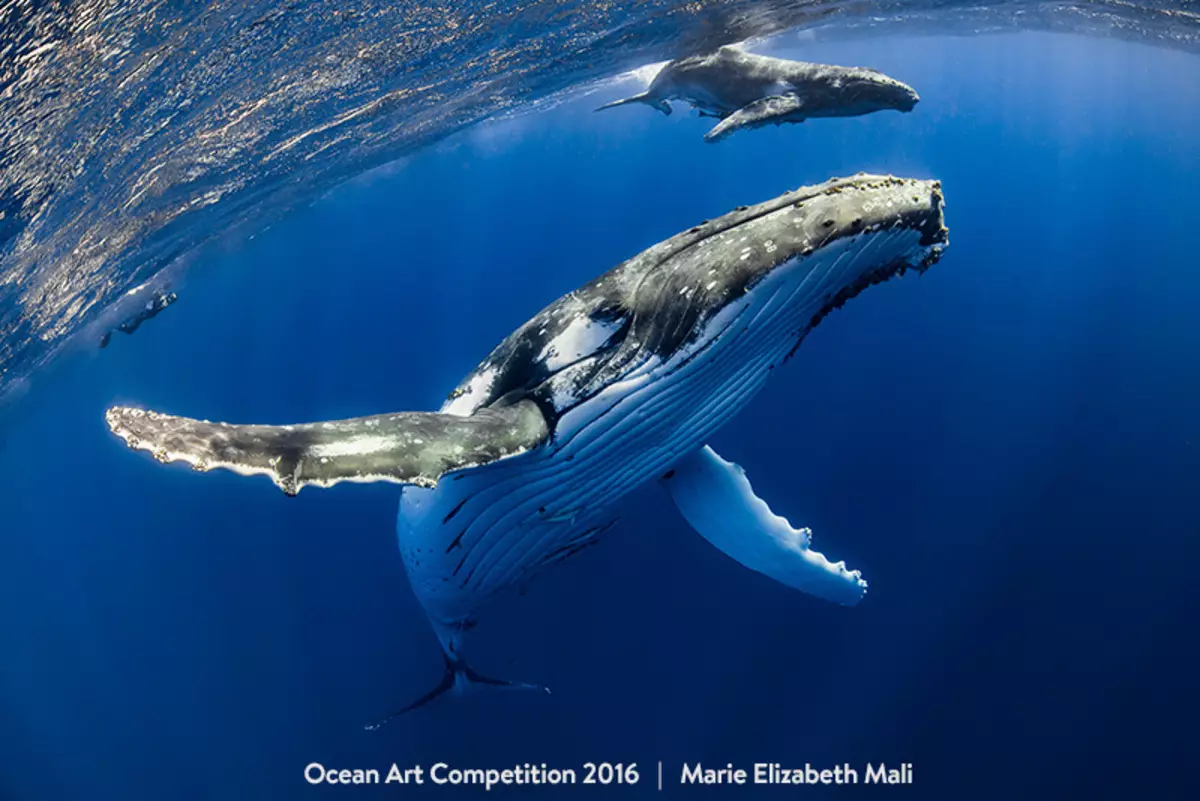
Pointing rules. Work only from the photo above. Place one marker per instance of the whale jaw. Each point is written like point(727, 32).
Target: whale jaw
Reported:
point(935, 237)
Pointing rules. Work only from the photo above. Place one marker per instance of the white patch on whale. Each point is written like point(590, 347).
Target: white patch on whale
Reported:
point(477, 389)
point(716, 498)
point(581, 337)
point(352, 447)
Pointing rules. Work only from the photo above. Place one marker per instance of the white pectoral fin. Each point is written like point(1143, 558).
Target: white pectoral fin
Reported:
point(767, 110)
point(717, 499)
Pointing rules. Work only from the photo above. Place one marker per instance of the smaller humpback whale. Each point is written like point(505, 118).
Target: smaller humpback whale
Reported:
point(151, 309)
point(745, 90)
point(617, 384)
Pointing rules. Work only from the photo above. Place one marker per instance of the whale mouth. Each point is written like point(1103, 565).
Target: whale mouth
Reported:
point(935, 237)
point(877, 275)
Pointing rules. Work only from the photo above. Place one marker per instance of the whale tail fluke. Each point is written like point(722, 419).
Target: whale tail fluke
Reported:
point(459, 678)
point(645, 98)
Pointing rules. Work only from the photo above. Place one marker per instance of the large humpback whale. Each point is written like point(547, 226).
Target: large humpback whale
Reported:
point(613, 385)
point(745, 90)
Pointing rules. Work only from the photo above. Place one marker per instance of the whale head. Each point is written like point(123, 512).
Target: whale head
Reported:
point(823, 244)
point(854, 91)
point(875, 91)
point(876, 228)
point(783, 265)
point(763, 275)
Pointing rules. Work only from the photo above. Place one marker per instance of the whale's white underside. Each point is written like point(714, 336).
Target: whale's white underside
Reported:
point(482, 530)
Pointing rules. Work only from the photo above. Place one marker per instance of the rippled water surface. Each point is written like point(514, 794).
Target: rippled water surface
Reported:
point(131, 133)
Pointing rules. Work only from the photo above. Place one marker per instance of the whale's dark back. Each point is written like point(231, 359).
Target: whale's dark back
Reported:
point(657, 302)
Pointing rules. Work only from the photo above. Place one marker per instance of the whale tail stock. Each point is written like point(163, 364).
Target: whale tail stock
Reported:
point(459, 678)
point(644, 97)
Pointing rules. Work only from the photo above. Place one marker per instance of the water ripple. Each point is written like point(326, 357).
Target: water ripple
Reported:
point(131, 133)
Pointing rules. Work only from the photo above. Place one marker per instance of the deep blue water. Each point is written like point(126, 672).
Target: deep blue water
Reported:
point(1008, 447)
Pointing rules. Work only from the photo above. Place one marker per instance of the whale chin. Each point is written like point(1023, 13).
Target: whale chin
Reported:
point(934, 238)
point(878, 275)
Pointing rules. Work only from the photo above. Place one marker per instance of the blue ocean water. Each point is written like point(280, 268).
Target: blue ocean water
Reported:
point(1006, 446)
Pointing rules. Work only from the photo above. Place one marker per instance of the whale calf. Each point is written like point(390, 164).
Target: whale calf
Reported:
point(745, 90)
point(614, 385)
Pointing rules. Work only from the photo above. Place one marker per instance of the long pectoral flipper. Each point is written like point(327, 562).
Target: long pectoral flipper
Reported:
point(717, 499)
point(403, 448)
point(767, 110)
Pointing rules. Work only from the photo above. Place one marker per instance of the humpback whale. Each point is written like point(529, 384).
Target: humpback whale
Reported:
point(151, 309)
point(745, 90)
point(616, 384)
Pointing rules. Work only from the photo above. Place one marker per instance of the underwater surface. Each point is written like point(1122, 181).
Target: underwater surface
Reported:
point(1007, 446)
